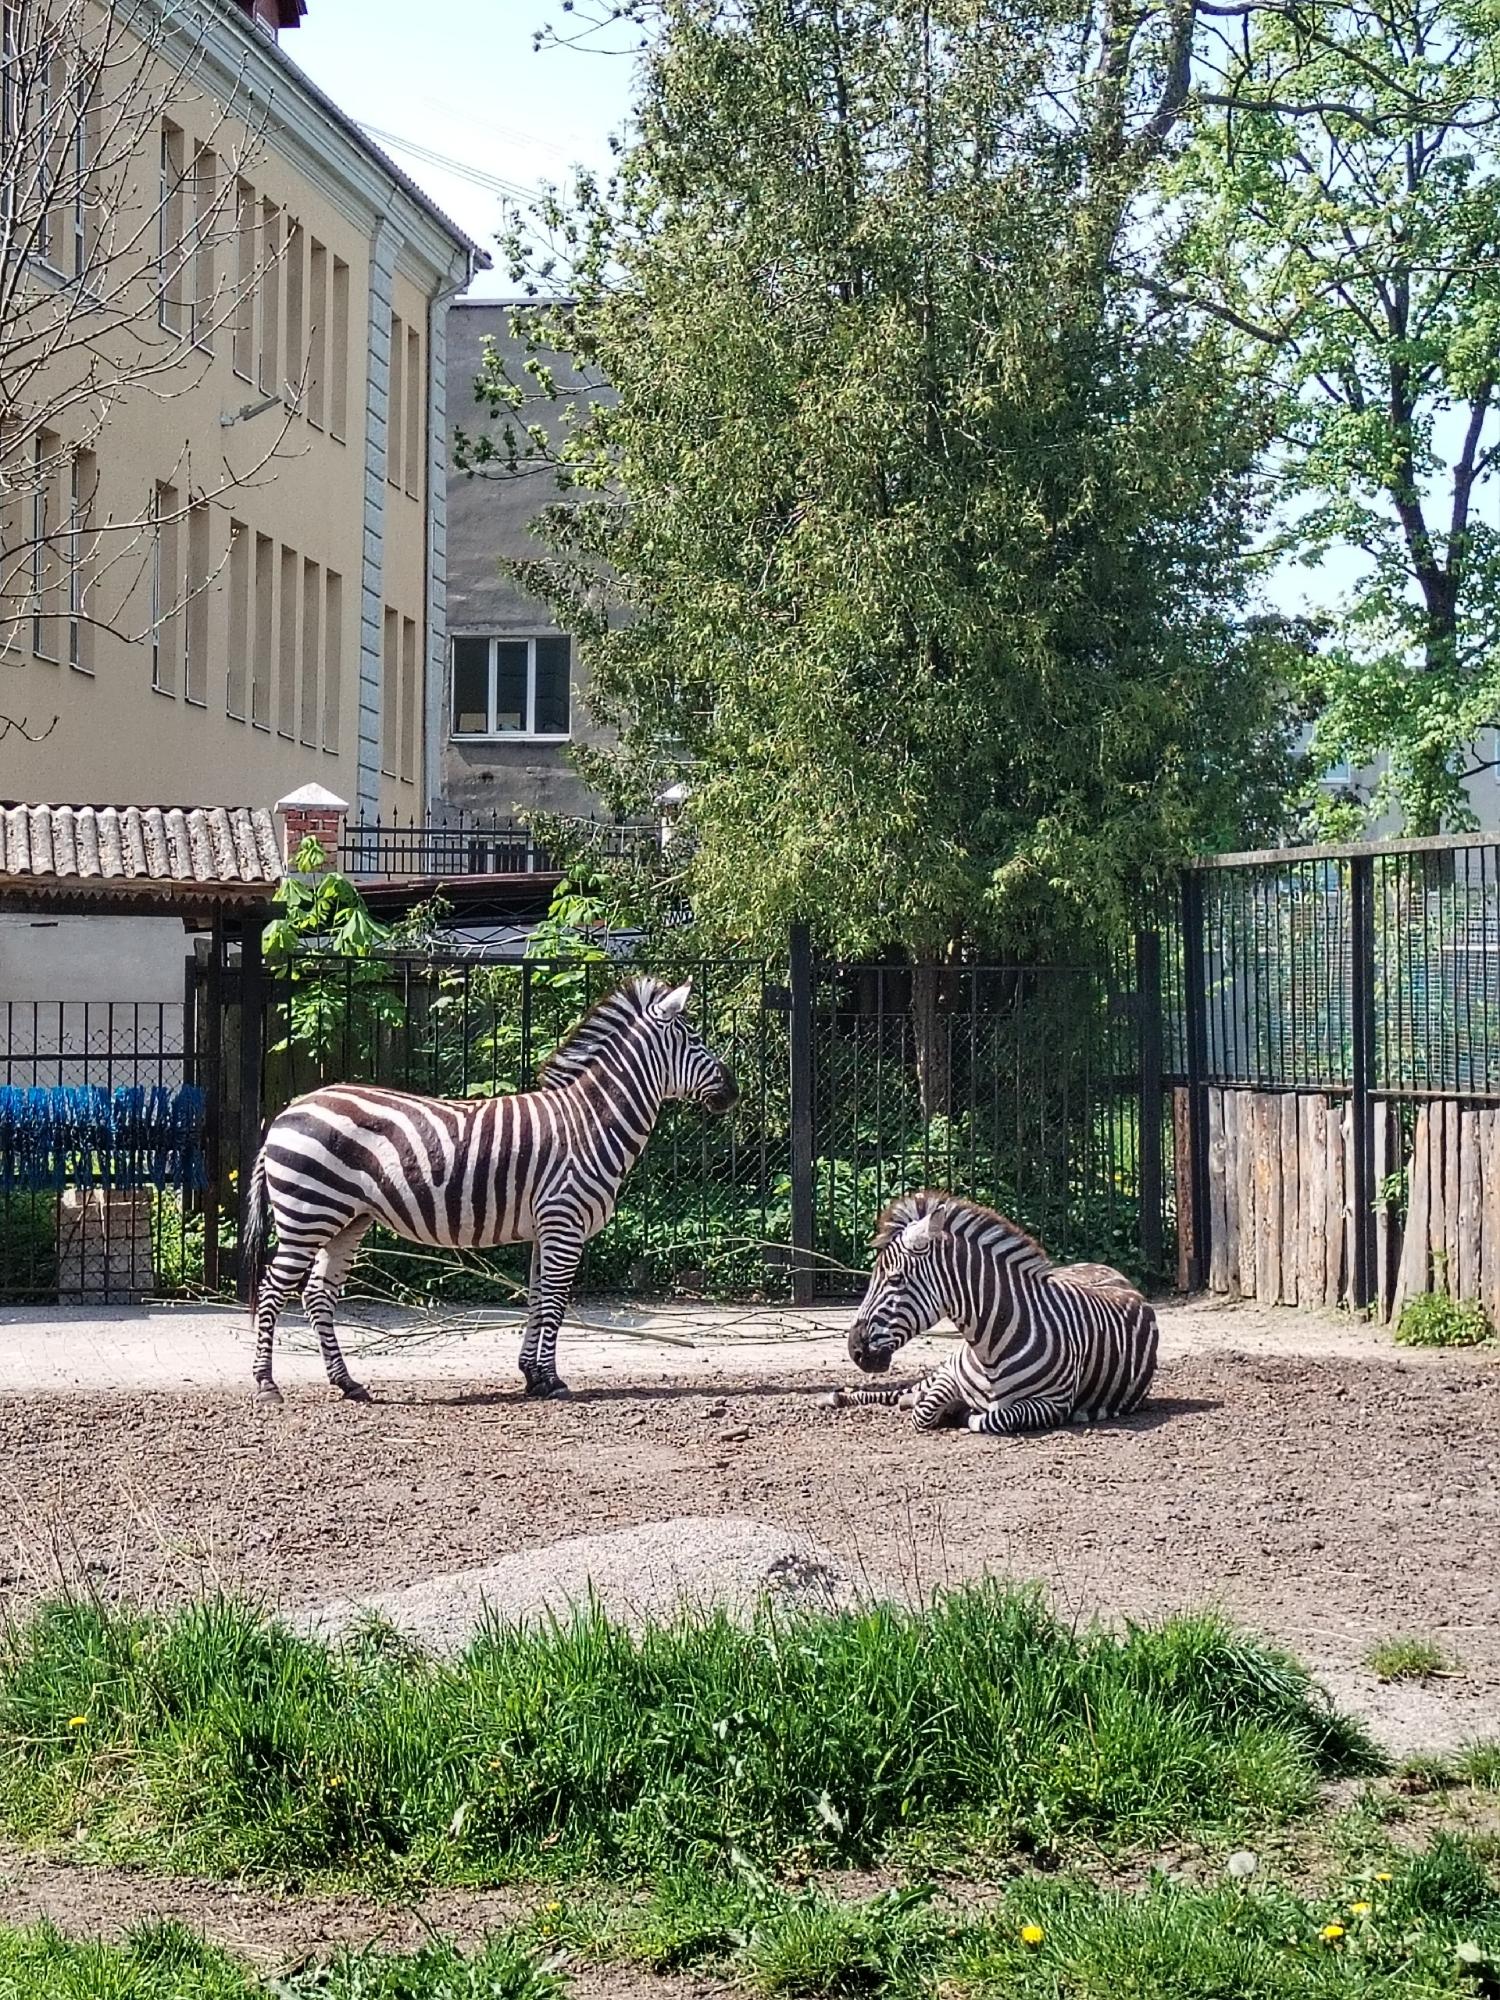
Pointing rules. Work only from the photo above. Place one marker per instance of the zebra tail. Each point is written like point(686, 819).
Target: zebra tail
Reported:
point(255, 1250)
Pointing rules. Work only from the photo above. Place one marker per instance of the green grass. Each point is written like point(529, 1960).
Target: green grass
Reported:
point(1434, 1320)
point(1406, 1659)
point(214, 1740)
point(165, 1961)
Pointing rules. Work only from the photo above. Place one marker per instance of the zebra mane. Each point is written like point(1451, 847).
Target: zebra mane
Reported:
point(601, 1028)
point(967, 1218)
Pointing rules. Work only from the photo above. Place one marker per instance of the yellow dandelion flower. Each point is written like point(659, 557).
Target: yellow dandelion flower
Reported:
point(1359, 1909)
point(1331, 1933)
point(1032, 1933)
point(1384, 1875)
point(78, 1722)
point(335, 1783)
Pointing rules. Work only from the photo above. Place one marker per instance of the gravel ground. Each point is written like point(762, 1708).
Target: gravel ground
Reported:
point(1316, 1487)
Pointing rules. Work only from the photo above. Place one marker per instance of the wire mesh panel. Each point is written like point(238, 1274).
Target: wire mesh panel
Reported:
point(1017, 1089)
point(1437, 972)
point(701, 1206)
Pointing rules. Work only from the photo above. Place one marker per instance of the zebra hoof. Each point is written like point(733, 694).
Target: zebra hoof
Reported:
point(268, 1393)
point(545, 1388)
point(834, 1400)
point(352, 1391)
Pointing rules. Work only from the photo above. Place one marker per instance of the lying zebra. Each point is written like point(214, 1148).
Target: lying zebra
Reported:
point(1041, 1346)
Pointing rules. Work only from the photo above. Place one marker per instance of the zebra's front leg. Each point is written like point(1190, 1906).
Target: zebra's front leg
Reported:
point(319, 1296)
point(554, 1265)
point(941, 1400)
point(876, 1399)
point(1007, 1416)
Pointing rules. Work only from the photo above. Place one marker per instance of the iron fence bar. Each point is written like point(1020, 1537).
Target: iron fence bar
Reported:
point(802, 1134)
point(252, 1019)
point(1362, 1076)
point(1195, 1223)
point(1148, 1115)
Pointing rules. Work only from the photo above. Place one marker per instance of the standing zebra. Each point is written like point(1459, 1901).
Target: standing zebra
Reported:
point(543, 1166)
point(1041, 1346)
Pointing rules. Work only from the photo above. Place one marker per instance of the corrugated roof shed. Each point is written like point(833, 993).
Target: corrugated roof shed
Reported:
point(210, 849)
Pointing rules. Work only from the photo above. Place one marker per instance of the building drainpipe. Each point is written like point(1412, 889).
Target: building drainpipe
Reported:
point(435, 572)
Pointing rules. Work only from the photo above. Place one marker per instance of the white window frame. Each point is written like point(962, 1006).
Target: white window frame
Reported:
point(529, 734)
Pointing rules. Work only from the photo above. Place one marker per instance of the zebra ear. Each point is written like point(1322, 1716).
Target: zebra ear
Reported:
point(918, 1234)
point(670, 1005)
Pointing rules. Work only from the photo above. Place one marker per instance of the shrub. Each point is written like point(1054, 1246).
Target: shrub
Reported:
point(1435, 1320)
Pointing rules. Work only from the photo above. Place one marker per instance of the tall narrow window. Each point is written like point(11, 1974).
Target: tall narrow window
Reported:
point(195, 611)
point(242, 344)
point(338, 350)
point(390, 694)
point(409, 730)
point(312, 605)
point(241, 543)
point(333, 658)
point(296, 329)
point(169, 244)
point(44, 142)
point(82, 474)
point(265, 636)
point(205, 231)
point(317, 331)
point(82, 151)
point(414, 407)
point(46, 451)
point(395, 433)
point(270, 299)
point(166, 592)
point(10, 107)
point(286, 677)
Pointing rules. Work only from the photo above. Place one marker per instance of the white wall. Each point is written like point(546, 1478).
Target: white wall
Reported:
point(91, 958)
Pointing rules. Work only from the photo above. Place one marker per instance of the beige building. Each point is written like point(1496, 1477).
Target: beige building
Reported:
point(223, 435)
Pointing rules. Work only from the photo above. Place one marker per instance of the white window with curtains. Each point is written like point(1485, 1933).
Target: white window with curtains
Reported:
point(513, 688)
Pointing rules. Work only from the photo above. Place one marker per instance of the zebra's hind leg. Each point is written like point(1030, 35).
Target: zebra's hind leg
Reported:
point(283, 1278)
point(1022, 1413)
point(320, 1295)
point(554, 1265)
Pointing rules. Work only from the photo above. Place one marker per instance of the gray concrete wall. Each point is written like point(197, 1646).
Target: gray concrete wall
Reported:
point(489, 518)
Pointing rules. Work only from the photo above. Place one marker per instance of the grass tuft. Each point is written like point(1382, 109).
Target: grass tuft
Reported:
point(212, 1739)
point(1406, 1659)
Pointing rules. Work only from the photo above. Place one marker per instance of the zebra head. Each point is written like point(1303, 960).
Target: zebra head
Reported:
point(690, 1069)
point(907, 1292)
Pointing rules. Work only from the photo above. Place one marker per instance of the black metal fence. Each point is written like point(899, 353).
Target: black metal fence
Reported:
point(103, 1178)
point(1369, 974)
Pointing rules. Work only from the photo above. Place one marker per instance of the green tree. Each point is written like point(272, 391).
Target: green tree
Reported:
point(1346, 229)
point(902, 531)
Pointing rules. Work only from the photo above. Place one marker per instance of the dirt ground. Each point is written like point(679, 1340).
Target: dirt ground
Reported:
point(1319, 1485)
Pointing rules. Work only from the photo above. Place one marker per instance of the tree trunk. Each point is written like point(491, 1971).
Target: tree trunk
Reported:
point(931, 1035)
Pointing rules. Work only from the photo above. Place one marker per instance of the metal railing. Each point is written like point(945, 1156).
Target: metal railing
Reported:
point(470, 844)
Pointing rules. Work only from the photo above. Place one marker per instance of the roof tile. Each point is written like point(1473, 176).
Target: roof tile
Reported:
point(214, 845)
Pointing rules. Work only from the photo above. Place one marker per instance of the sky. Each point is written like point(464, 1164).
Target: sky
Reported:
point(460, 78)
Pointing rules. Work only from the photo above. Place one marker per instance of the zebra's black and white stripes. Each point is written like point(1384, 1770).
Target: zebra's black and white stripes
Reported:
point(1041, 1346)
point(543, 1166)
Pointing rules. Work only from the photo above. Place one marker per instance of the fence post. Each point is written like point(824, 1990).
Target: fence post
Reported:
point(214, 1097)
point(1148, 1114)
point(1362, 1078)
point(1194, 1225)
point(802, 1113)
point(252, 1035)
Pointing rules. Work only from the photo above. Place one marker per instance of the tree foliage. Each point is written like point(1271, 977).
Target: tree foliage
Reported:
point(1345, 206)
point(903, 533)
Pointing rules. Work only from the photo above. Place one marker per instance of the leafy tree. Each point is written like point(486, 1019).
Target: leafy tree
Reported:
point(1346, 228)
point(922, 550)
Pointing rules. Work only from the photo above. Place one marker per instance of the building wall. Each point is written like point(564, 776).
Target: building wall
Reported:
point(490, 518)
point(255, 671)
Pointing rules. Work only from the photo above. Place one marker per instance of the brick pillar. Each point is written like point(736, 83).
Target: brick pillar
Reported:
point(311, 814)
